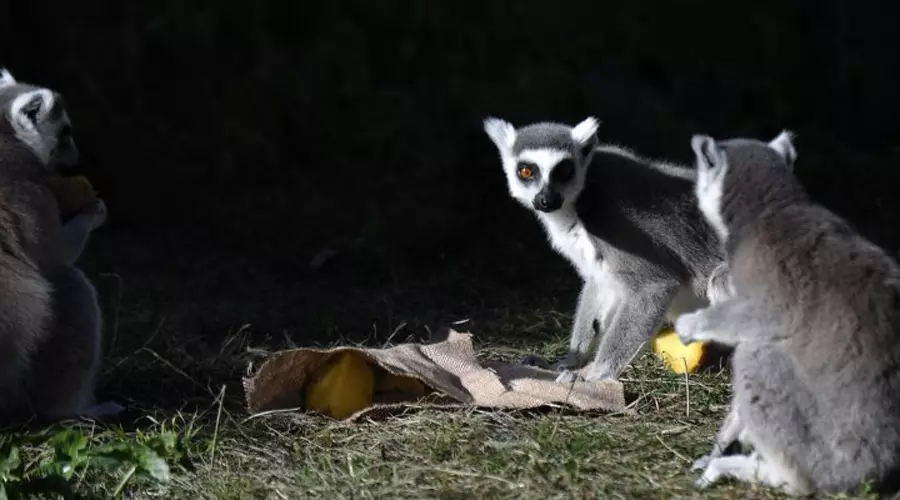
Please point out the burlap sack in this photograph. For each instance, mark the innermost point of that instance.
(450, 367)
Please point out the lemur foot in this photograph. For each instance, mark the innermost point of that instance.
(103, 410)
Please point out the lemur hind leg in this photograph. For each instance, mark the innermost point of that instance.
(67, 362)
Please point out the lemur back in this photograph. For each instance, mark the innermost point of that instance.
(29, 222)
(841, 327)
(822, 406)
(629, 225)
(643, 213)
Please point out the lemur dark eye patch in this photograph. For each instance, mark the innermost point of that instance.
(563, 171)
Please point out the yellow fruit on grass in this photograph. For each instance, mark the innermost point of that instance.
(387, 382)
(678, 357)
(343, 387)
(72, 193)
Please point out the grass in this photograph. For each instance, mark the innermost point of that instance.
(430, 454)
(176, 355)
(435, 454)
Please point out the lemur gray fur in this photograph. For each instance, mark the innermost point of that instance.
(50, 324)
(630, 227)
(813, 314)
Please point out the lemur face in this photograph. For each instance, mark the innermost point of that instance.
(544, 162)
(542, 176)
(38, 118)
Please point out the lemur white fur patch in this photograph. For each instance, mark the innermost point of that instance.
(611, 293)
(585, 129)
(28, 123)
(711, 169)
(501, 132)
(568, 236)
(783, 144)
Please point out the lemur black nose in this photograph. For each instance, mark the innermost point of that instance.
(547, 201)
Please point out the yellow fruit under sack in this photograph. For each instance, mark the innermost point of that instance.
(343, 387)
(72, 193)
(388, 383)
(678, 357)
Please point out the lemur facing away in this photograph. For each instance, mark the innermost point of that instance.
(813, 312)
(630, 227)
(50, 324)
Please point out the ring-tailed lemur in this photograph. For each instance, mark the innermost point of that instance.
(50, 324)
(814, 316)
(630, 227)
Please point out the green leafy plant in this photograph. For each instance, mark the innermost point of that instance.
(62, 459)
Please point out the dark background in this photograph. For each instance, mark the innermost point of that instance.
(236, 141)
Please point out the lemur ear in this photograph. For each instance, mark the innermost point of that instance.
(6, 78)
(501, 132)
(29, 108)
(706, 151)
(784, 146)
(585, 131)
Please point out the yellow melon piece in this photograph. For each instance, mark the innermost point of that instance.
(678, 357)
(389, 383)
(343, 387)
(72, 193)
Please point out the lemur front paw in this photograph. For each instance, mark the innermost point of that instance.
(568, 377)
(702, 462)
(712, 474)
(103, 410)
(95, 212)
(596, 374)
(689, 327)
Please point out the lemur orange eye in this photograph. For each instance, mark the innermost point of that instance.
(527, 171)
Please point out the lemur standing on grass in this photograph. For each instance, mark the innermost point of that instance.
(630, 227)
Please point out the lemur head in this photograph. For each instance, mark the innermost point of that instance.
(37, 118)
(544, 162)
(736, 178)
